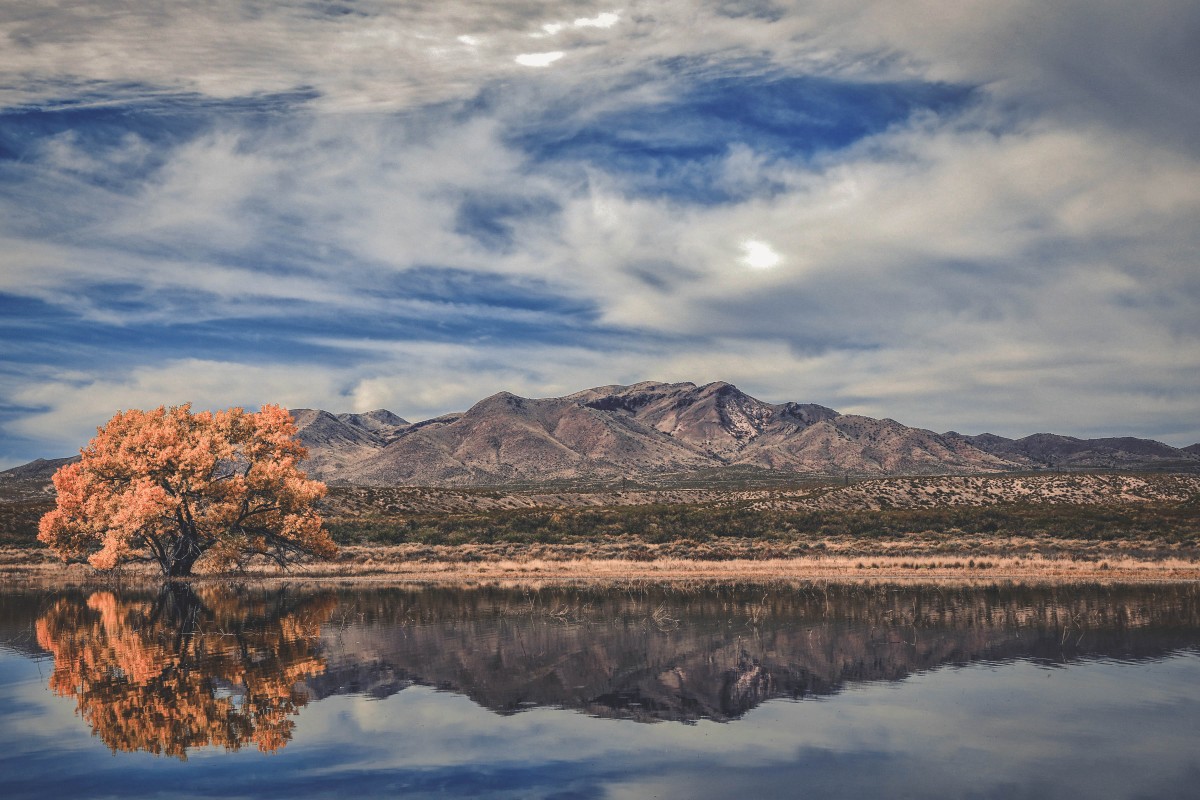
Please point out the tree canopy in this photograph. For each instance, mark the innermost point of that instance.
(168, 486)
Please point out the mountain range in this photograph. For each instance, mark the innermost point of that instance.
(650, 429)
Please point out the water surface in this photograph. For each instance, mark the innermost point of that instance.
(823, 691)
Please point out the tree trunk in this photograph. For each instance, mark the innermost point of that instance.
(182, 557)
(181, 567)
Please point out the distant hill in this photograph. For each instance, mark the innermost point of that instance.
(41, 469)
(1067, 452)
(654, 429)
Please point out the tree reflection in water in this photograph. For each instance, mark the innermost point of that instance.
(186, 669)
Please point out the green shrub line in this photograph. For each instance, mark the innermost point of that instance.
(708, 523)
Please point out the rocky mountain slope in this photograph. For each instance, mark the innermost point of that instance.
(653, 429)
(337, 443)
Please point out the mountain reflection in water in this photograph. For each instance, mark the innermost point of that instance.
(170, 671)
(664, 655)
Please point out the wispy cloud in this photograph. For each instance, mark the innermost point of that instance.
(954, 214)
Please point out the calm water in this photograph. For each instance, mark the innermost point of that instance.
(817, 692)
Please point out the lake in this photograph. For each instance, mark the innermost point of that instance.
(712, 692)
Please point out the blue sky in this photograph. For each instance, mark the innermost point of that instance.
(954, 214)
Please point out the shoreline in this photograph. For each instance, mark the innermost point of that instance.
(377, 564)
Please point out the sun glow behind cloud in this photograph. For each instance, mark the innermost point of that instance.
(759, 255)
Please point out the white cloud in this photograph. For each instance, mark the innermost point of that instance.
(1127, 66)
(538, 59)
(605, 20)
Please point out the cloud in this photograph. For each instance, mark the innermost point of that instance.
(952, 214)
(1129, 68)
(759, 255)
(383, 57)
(72, 405)
(538, 59)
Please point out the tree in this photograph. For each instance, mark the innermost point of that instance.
(168, 486)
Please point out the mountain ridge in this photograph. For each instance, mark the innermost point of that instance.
(651, 429)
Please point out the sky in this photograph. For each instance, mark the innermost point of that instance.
(962, 215)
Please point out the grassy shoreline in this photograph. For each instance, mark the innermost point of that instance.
(550, 565)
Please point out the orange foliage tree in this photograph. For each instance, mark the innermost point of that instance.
(168, 486)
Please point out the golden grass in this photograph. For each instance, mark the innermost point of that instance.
(543, 565)
(889, 568)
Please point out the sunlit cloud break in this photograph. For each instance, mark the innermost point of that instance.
(539, 59)
(605, 20)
